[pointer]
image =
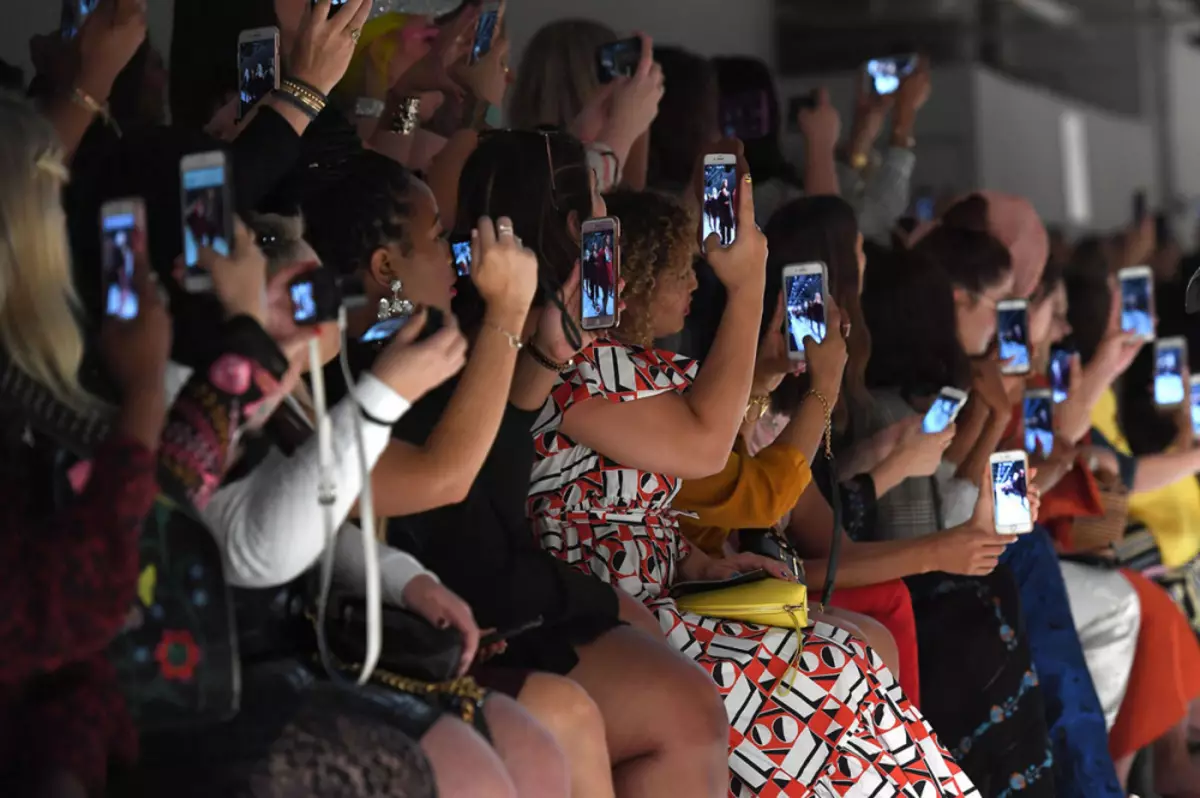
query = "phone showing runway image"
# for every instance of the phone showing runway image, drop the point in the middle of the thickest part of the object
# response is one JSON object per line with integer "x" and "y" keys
{"x": 1010, "y": 493}
{"x": 600, "y": 273}
{"x": 720, "y": 195}
{"x": 804, "y": 306}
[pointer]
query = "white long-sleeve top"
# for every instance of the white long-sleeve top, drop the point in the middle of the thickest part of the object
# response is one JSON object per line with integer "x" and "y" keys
{"x": 270, "y": 526}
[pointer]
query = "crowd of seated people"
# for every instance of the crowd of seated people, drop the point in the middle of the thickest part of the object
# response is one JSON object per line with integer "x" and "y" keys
{"x": 345, "y": 511}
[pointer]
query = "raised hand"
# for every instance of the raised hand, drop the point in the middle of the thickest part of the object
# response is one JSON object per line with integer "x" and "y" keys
{"x": 503, "y": 270}
{"x": 324, "y": 44}
{"x": 743, "y": 264}
{"x": 240, "y": 280}
{"x": 414, "y": 369}
{"x": 108, "y": 39}
{"x": 827, "y": 360}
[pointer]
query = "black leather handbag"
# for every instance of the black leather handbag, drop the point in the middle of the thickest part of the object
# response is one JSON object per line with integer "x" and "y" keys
{"x": 411, "y": 647}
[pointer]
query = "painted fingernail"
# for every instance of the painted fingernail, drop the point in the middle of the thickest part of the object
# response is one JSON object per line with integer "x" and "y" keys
{"x": 474, "y": 234}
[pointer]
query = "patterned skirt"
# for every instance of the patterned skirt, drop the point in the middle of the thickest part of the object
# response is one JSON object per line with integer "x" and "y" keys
{"x": 840, "y": 726}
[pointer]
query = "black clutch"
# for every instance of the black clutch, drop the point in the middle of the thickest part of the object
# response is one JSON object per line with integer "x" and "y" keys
{"x": 696, "y": 587}
{"x": 411, "y": 646}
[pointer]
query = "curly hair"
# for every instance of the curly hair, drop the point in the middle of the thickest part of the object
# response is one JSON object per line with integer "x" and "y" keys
{"x": 365, "y": 207}
{"x": 658, "y": 234}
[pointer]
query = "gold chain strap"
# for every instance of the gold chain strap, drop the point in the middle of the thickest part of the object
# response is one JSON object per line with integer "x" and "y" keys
{"x": 788, "y": 682}
{"x": 828, "y": 421}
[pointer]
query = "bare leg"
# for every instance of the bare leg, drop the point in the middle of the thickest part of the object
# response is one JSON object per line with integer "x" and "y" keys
{"x": 464, "y": 765}
{"x": 668, "y": 733}
{"x": 1175, "y": 776}
{"x": 870, "y": 631}
{"x": 533, "y": 758}
{"x": 567, "y": 712}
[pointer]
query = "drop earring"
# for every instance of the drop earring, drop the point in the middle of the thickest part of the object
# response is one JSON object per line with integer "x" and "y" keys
{"x": 390, "y": 308}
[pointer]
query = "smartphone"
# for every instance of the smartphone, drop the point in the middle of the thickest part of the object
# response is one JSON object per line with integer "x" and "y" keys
{"x": 460, "y": 252}
{"x": 804, "y": 286}
{"x": 1195, "y": 402}
{"x": 1039, "y": 422}
{"x": 1012, "y": 333}
{"x": 720, "y": 196}
{"x": 485, "y": 31}
{"x": 119, "y": 219}
{"x": 1139, "y": 206}
{"x": 382, "y": 331}
{"x": 745, "y": 115}
{"x": 805, "y": 102}
{"x": 258, "y": 66}
{"x": 334, "y": 5}
{"x": 1137, "y": 301}
{"x": 316, "y": 296}
{"x": 207, "y": 203}
{"x": 944, "y": 410}
{"x": 1059, "y": 372}
{"x": 1170, "y": 357}
{"x": 886, "y": 74}
{"x": 925, "y": 208}
{"x": 1010, "y": 492}
{"x": 600, "y": 260}
{"x": 500, "y": 635}
{"x": 618, "y": 59}
{"x": 74, "y": 12}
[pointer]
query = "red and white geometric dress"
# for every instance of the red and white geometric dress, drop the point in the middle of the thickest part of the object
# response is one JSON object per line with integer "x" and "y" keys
{"x": 844, "y": 729}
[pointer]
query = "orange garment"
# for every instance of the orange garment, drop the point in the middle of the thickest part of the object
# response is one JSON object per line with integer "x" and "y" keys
{"x": 1165, "y": 677}
{"x": 748, "y": 493}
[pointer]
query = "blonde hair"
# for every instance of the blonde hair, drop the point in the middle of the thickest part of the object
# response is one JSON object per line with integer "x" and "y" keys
{"x": 38, "y": 305}
{"x": 557, "y": 76}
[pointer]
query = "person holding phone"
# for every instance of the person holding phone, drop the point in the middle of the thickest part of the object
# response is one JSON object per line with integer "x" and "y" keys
{"x": 610, "y": 403}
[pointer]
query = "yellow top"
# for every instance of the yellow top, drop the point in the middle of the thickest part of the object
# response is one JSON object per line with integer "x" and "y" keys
{"x": 1172, "y": 514}
{"x": 748, "y": 493}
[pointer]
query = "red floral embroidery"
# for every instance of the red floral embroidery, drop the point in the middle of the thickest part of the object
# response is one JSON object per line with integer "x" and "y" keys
{"x": 177, "y": 655}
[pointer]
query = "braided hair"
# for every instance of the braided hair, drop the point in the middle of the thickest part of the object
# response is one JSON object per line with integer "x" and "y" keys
{"x": 364, "y": 205}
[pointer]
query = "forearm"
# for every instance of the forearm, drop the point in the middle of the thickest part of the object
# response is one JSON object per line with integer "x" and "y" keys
{"x": 889, "y": 473}
{"x": 969, "y": 426}
{"x": 718, "y": 396}
{"x": 806, "y": 430}
{"x": 396, "y": 568}
{"x": 70, "y": 117}
{"x": 633, "y": 172}
{"x": 531, "y": 384}
{"x": 820, "y": 171}
{"x": 977, "y": 459}
{"x": 869, "y": 563}
{"x": 1157, "y": 471}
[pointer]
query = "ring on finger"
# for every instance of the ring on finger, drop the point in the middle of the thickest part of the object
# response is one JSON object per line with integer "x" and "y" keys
{"x": 355, "y": 33}
{"x": 504, "y": 229}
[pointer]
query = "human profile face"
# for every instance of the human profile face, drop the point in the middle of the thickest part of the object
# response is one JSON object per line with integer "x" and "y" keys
{"x": 975, "y": 314}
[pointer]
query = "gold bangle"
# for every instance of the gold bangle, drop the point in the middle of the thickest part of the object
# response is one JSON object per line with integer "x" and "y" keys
{"x": 513, "y": 340}
{"x": 94, "y": 106}
{"x": 304, "y": 94}
{"x": 859, "y": 161}
{"x": 828, "y": 420}
{"x": 756, "y": 408}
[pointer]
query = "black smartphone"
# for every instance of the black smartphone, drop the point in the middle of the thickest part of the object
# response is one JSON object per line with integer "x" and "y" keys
{"x": 501, "y": 635}
{"x": 618, "y": 59}
{"x": 805, "y": 102}
{"x": 316, "y": 297}
{"x": 74, "y": 12}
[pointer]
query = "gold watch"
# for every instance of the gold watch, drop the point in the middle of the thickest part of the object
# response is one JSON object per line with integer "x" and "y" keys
{"x": 756, "y": 408}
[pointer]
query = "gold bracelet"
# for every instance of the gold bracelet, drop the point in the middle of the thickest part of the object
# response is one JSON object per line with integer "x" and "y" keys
{"x": 513, "y": 340}
{"x": 304, "y": 94}
{"x": 94, "y": 106}
{"x": 756, "y": 408}
{"x": 828, "y": 420}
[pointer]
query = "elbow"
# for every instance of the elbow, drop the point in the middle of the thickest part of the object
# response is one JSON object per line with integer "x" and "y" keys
{"x": 453, "y": 488}
{"x": 704, "y": 462}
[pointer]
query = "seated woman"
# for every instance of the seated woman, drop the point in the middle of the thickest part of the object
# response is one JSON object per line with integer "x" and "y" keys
{"x": 266, "y": 523}
{"x": 455, "y": 475}
{"x": 1164, "y": 681}
{"x": 617, "y": 434}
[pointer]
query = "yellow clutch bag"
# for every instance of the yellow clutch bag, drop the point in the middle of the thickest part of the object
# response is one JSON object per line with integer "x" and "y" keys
{"x": 750, "y": 598}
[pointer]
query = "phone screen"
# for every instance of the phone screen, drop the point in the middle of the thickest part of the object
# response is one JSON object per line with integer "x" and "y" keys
{"x": 1196, "y": 408}
{"x": 805, "y": 309}
{"x": 1135, "y": 306}
{"x": 1168, "y": 376}
{"x": 618, "y": 59}
{"x": 1060, "y": 373}
{"x": 334, "y": 6}
{"x": 304, "y": 301}
{"x": 1039, "y": 425}
{"x": 1010, "y": 493}
{"x": 941, "y": 414}
{"x": 204, "y": 212}
{"x": 1012, "y": 330}
{"x": 485, "y": 30}
{"x": 720, "y": 216}
{"x": 925, "y": 208}
{"x": 460, "y": 251}
{"x": 886, "y": 73}
{"x": 745, "y": 115}
{"x": 599, "y": 278}
{"x": 384, "y": 330}
{"x": 120, "y": 296}
{"x": 74, "y": 12}
{"x": 256, "y": 67}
